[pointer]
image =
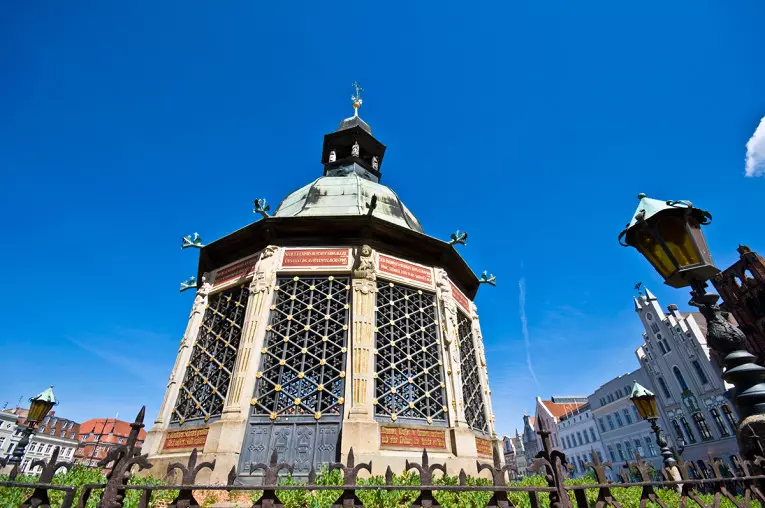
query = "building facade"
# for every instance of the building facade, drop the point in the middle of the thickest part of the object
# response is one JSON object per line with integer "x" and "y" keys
{"x": 515, "y": 455}
{"x": 99, "y": 435}
{"x": 623, "y": 434}
{"x": 334, "y": 323}
{"x": 579, "y": 437}
{"x": 51, "y": 433}
{"x": 742, "y": 288}
{"x": 691, "y": 395}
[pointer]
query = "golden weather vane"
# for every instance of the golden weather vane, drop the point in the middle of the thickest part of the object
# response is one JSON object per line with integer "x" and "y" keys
{"x": 356, "y": 98}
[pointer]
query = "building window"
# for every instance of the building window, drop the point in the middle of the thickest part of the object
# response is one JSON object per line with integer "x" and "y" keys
{"x": 663, "y": 387}
{"x": 650, "y": 447}
{"x": 680, "y": 379}
{"x": 628, "y": 448}
{"x": 610, "y": 397}
{"x": 701, "y": 425}
{"x": 732, "y": 423}
{"x": 635, "y": 411}
{"x": 302, "y": 366}
{"x": 602, "y": 401}
{"x": 586, "y": 437}
{"x": 719, "y": 422}
{"x": 700, "y": 372}
{"x": 472, "y": 393}
{"x": 619, "y": 393}
{"x": 618, "y": 419}
{"x": 688, "y": 431}
{"x": 655, "y": 328}
{"x": 600, "y": 456}
{"x": 610, "y": 422}
{"x": 592, "y": 434}
{"x": 649, "y": 316}
{"x": 627, "y": 416}
{"x": 208, "y": 373}
{"x": 639, "y": 448}
{"x": 620, "y": 451}
{"x": 611, "y": 453}
{"x": 2, "y": 441}
{"x": 410, "y": 381}
{"x": 663, "y": 349}
{"x": 678, "y": 430}
{"x": 602, "y": 425}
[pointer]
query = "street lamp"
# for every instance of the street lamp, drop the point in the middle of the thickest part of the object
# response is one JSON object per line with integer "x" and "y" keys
{"x": 645, "y": 402}
{"x": 39, "y": 406}
{"x": 668, "y": 234}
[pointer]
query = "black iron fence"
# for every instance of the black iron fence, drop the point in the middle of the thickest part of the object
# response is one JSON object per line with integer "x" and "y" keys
{"x": 683, "y": 485}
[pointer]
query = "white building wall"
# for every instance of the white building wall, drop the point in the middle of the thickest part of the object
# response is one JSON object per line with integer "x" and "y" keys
{"x": 623, "y": 433}
{"x": 579, "y": 437}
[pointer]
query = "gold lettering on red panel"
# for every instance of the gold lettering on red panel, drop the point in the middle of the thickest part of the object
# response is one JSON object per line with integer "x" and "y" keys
{"x": 396, "y": 437}
{"x": 406, "y": 270}
{"x": 236, "y": 270}
{"x": 461, "y": 299}
{"x": 191, "y": 438}
{"x": 315, "y": 257}
{"x": 483, "y": 446}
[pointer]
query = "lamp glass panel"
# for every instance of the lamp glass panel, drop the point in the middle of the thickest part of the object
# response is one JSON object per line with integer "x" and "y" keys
{"x": 671, "y": 228}
{"x": 37, "y": 410}
{"x": 700, "y": 242}
{"x": 653, "y": 252}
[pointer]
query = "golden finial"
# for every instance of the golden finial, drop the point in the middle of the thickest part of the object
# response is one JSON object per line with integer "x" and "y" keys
{"x": 356, "y": 98}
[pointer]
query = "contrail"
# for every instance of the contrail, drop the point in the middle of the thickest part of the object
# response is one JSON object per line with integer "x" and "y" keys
{"x": 524, "y": 325}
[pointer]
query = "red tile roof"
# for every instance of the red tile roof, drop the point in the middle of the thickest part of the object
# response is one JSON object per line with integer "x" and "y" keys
{"x": 559, "y": 410}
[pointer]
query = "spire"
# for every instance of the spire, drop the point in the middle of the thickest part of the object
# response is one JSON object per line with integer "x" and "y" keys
{"x": 637, "y": 304}
{"x": 356, "y": 98}
{"x": 649, "y": 295}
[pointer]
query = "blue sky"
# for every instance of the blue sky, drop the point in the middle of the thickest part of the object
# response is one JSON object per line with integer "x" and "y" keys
{"x": 531, "y": 125}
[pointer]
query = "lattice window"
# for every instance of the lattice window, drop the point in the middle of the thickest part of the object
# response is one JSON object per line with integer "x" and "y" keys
{"x": 302, "y": 370}
{"x": 208, "y": 372}
{"x": 472, "y": 393}
{"x": 409, "y": 379}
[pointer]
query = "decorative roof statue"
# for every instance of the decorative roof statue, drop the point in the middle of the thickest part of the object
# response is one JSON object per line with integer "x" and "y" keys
{"x": 356, "y": 98}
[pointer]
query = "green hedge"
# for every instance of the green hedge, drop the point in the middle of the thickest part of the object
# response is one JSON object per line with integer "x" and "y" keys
{"x": 379, "y": 498}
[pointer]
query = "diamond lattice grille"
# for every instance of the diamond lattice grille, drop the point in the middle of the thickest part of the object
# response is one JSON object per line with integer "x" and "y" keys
{"x": 302, "y": 370}
{"x": 472, "y": 394}
{"x": 409, "y": 379}
{"x": 208, "y": 372}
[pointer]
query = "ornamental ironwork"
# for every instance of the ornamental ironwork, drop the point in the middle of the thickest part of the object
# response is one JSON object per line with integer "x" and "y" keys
{"x": 409, "y": 379}
{"x": 302, "y": 368}
{"x": 208, "y": 372}
{"x": 472, "y": 393}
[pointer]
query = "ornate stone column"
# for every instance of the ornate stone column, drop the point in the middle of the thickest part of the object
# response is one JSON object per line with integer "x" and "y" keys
{"x": 483, "y": 374}
{"x": 179, "y": 369}
{"x": 362, "y": 335}
{"x": 360, "y": 429}
{"x": 227, "y": 434}
{"x": 450, "y": 350}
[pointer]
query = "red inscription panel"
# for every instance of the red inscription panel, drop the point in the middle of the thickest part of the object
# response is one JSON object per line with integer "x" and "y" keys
{"x": 315, "y": 257}
{"x": 461, "y": 299}
{"x": 406, "y": 270}
{"x": 483, "y": 446}
{"x": 396, "y": 437}
{"x": 191, "y": 438}
{"x": 236, "y": 270}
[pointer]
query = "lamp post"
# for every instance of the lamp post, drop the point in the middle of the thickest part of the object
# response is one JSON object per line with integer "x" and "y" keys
{"x": 668, "y": 234}
{"x": 39, "y": 407}
{"x": 645, "y": 402}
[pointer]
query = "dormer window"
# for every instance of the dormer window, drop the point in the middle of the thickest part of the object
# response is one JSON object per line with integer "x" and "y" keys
{"x": 332, "y": 156}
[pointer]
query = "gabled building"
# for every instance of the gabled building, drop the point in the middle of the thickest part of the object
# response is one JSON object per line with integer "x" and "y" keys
{"x": 548, "y": 414}
{"x": 691, "y": 395}
{"x": 99, "y": 435}
{"x": 529, "y": 439}
{"x": 515, "y": 455}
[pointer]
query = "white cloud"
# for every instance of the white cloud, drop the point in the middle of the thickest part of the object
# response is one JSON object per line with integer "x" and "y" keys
{"x": 755, "y": 151}
{"x": 524, "y": 325}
